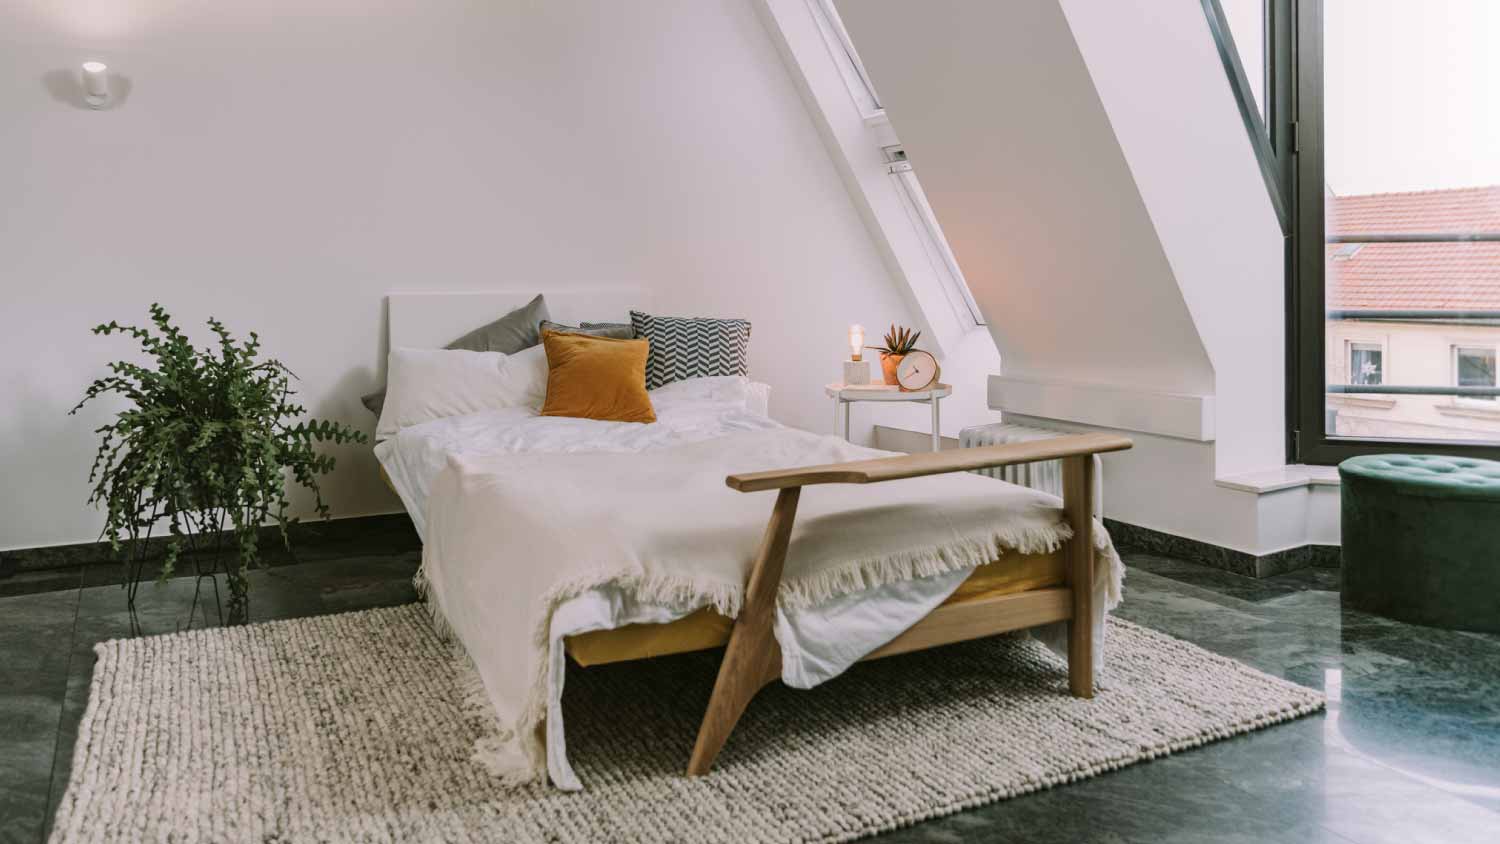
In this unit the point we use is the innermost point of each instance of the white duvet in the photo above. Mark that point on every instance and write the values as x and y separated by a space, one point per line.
818 641
686 411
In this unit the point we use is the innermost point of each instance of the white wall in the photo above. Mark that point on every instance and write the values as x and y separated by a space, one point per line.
1020 164
1097 185
1159 76
283 165
967 352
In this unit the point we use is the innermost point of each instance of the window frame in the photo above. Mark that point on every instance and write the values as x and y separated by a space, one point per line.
934 242
841 46
1456 351
1351 346
1270 142
939 273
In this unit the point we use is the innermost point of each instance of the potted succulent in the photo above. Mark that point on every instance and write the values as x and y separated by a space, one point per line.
898 343
203 450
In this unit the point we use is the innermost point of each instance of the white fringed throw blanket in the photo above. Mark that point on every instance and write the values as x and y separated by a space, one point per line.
511 538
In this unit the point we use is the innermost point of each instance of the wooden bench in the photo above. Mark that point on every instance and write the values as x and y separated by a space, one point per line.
753 657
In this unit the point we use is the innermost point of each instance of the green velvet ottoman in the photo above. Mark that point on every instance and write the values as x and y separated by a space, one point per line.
1421 537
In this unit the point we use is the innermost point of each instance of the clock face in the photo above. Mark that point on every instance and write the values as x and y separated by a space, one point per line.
918 371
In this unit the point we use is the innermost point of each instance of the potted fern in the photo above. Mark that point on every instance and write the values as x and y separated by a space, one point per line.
203 451
898 343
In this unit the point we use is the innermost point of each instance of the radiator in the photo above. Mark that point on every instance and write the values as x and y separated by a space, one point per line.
1045 476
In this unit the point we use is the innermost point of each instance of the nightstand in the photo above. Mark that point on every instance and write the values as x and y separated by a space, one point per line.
844 395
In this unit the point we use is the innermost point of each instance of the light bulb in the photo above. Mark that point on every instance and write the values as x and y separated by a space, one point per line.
856 341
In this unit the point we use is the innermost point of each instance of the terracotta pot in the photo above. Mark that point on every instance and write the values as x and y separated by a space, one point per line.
888 364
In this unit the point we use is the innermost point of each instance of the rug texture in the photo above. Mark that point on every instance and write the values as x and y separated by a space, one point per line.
360 727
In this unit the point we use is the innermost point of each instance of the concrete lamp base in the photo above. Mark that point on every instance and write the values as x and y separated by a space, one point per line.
856 372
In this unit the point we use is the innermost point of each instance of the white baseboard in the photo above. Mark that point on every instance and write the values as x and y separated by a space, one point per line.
910 442
1180 415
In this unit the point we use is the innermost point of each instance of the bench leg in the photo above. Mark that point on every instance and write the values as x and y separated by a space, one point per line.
1078 507
753 659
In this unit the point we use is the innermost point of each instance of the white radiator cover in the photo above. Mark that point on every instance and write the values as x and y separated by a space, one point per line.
1045 476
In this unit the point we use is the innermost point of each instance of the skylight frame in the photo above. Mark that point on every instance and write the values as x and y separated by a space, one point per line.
939 253
1298 105
841 47
941 264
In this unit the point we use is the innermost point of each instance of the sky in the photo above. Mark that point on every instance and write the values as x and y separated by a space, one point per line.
1411 88
1412 94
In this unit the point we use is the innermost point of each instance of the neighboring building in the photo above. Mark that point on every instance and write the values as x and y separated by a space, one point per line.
1434 350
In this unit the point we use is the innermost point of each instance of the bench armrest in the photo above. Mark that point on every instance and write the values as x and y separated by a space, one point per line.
933 463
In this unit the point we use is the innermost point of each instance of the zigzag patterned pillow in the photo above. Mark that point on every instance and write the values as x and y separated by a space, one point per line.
691 347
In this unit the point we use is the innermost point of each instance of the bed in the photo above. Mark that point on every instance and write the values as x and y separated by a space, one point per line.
548 540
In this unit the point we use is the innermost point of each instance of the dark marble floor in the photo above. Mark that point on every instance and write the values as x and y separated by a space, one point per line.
1409 750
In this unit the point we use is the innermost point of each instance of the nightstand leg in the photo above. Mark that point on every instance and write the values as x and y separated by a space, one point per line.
937 437
836 404
847 406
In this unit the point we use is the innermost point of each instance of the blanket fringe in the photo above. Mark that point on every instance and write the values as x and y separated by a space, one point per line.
517 753
871 572
423 587
419 581
495 749
685 592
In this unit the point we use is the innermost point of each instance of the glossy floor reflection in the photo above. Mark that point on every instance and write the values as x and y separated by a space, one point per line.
1409 750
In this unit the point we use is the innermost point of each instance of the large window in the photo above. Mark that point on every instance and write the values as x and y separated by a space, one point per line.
1396 210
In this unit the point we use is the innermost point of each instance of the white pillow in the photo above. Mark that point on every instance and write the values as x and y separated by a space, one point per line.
730 392
427 384
526 377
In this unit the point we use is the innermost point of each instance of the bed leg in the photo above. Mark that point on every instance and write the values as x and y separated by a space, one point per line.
1078 507
753 658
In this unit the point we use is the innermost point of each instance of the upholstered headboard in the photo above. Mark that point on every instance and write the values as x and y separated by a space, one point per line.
432 320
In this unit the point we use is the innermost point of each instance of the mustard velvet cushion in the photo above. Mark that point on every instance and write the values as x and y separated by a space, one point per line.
600 378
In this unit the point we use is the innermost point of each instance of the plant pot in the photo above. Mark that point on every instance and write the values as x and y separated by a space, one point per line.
888 364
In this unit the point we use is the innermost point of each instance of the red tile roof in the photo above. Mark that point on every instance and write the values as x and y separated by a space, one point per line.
1427 276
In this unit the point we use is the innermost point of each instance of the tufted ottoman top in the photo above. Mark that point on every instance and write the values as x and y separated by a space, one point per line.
1427 475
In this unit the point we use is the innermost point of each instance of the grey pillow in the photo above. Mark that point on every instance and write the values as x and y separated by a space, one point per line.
617 330
691 347
517 330
520 329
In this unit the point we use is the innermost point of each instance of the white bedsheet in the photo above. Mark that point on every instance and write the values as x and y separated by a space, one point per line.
817 642
686 411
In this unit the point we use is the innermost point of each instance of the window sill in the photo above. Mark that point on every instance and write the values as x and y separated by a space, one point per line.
1370 402
1286 477
1468 411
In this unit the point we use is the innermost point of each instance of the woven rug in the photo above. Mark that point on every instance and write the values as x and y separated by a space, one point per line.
353 727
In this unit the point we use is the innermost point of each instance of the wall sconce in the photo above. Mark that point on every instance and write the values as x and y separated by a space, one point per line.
95 84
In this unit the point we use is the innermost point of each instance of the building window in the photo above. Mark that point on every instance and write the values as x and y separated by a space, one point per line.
1474 366
1366 364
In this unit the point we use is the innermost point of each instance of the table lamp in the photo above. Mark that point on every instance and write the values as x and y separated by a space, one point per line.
856 368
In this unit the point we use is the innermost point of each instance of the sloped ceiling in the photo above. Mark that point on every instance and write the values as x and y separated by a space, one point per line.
1000 118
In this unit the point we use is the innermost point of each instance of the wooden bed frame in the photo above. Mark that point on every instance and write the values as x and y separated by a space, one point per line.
753 657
